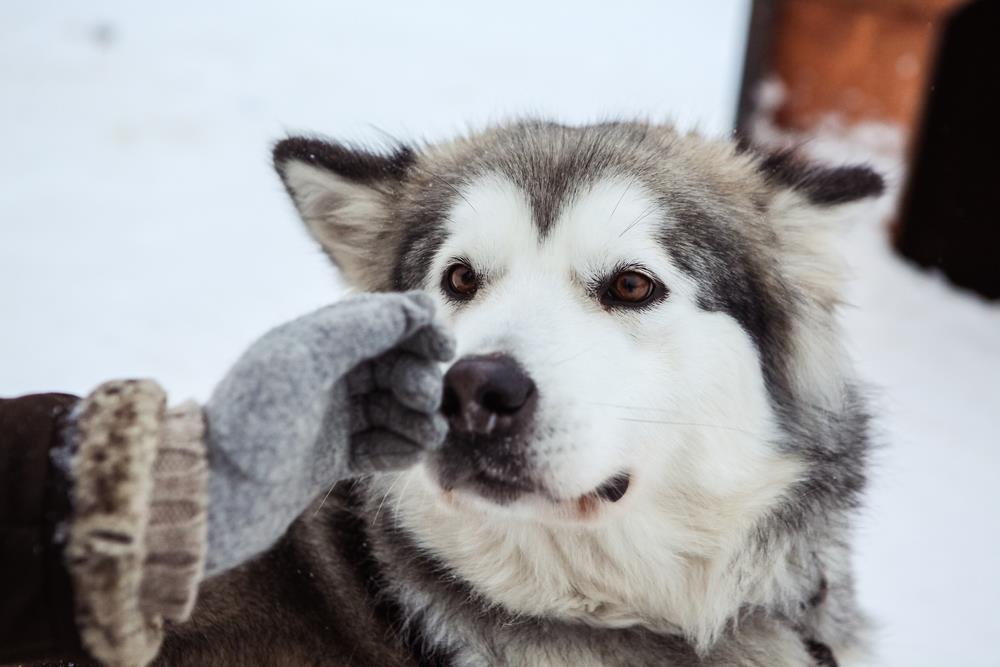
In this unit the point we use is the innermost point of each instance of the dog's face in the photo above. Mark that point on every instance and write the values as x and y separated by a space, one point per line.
628 303
583 356
644 325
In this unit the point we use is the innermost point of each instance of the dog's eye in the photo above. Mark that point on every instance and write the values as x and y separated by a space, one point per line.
460 281
631 288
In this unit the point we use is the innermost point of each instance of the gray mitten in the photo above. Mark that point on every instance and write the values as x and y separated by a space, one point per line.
349 389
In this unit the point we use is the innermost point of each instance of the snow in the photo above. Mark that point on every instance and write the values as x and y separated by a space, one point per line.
142 232
929 543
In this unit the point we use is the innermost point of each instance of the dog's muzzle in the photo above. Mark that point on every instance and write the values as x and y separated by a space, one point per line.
489 401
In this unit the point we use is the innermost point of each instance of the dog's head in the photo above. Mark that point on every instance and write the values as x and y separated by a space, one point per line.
637 311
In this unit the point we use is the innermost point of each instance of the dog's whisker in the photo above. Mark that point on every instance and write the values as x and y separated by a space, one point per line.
621 199
665 422
571 357
645 214
399 497
628 407
384 496
322 502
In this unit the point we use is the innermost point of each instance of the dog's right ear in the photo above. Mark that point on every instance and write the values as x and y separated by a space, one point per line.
343 196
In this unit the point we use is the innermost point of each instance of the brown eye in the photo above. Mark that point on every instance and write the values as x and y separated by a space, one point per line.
631 288
460 281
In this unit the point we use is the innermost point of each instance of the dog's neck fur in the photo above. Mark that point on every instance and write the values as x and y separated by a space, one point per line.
477 585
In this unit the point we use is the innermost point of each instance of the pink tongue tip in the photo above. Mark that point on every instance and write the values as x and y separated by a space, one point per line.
613 489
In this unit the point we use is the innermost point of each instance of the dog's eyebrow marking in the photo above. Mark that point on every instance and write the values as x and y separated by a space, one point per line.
621 199
645 214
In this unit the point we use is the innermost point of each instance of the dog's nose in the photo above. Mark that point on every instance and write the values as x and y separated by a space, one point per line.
487 395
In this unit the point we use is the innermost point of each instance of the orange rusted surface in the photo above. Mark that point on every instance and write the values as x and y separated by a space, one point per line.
862 60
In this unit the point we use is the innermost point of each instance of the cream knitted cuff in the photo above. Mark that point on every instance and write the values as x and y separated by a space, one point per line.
136 544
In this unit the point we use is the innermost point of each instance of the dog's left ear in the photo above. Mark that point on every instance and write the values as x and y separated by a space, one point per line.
808 213
343 194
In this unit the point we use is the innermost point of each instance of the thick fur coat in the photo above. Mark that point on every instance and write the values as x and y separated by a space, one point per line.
721 405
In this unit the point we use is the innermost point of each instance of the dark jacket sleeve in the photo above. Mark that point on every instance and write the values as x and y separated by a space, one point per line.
36 598
102 523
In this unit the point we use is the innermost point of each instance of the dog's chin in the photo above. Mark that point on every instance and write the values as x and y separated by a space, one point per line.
521 498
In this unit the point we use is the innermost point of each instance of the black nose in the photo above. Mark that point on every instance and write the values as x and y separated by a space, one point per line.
488 395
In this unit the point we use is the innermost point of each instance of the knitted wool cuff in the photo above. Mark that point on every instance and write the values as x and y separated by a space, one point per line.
136 541
177 530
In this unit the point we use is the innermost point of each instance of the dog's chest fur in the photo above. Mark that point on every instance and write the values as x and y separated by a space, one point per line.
344 587
650 568
779 647
590 627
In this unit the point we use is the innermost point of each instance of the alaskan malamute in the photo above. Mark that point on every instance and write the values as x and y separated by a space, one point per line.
657 443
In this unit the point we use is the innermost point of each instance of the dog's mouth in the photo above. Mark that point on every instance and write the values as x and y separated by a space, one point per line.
610 492
503 491
614 489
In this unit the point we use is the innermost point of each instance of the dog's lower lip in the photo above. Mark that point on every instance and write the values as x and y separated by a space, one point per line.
615 488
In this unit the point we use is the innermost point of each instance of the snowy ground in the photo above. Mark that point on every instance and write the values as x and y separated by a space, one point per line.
143 234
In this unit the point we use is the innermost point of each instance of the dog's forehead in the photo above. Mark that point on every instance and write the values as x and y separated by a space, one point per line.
620 187
493 215
551 165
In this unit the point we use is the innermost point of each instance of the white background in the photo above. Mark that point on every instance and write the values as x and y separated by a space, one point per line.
142 232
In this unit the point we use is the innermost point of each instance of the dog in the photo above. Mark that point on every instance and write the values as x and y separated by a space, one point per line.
657 444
